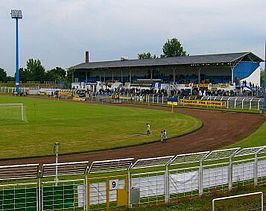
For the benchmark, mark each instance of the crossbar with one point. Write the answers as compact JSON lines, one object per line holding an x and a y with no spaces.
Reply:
{"x":238,"y":196}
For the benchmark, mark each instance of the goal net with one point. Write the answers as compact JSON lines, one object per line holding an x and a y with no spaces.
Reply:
{"x":249,"y":201}
{"x":12,"y":112}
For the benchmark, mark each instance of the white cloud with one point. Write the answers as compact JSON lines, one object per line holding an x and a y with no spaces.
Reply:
{"x":59,"y":31}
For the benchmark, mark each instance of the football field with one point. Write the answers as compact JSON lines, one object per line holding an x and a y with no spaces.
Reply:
{"x":82,"y":127}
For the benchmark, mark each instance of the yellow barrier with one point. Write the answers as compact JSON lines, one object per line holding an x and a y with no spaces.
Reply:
{"x":125,"y":98}
{"x":206,"y":103}
{"x":65,"y":94}
{"x":172,"y":103}
{"x":76,"y":99}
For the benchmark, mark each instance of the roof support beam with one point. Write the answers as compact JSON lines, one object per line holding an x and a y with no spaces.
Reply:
{"x":130,"y":75}
{"x":199,"y":79}
{"x":232,"y":74}
{"x":174,"y":75}
{"x":112,"y":75}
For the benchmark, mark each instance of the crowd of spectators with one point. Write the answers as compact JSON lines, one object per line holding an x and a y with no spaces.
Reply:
{"x":244,"y":89}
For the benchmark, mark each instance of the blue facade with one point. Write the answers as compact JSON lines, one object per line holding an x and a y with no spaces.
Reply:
{"x":244,"y":69}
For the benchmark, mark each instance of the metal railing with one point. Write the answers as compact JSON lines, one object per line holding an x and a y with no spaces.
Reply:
{"x":129,"y":182}
{"x":231,"y":102}
{"x":241,"y":103}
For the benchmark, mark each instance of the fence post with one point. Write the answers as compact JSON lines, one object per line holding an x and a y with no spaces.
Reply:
{"x":162,"y":99}
{"x":166,"y":184}
{"x":262,"y":202}
{"x":256,"y":170}
{"x":86,"y":189}
{"x":250,"y":104}
{"x":129,"y":188}
{"x":39,"y":202}
{"x":230,"y":174}
{"x":243,"y":104}
{"x":258,"y":104}
{"x":235,"y":103}
{"x":107,"y":193}
{"x":227,"y":103}
{"x":201,"y":178}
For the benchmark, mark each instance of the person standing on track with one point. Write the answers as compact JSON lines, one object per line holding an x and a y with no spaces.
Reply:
{"x":148,"y":130}
{"x":163,"y":136}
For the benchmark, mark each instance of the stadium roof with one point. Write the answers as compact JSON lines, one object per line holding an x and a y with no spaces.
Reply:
{"x":219,"y":59}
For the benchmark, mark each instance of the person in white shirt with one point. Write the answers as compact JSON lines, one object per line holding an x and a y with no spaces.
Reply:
{"x":163,"y":136}
{"x":148,"y":131}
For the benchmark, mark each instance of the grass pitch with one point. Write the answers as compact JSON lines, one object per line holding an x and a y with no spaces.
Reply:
{"x":255,"y":139}
{"x":82,"y":127}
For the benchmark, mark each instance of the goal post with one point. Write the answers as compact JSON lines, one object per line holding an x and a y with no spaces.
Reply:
{"x":12,"y":112}
{"x":248,"y":201}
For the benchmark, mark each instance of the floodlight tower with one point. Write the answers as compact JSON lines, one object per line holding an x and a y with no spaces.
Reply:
{"x":17,"y":14}
{"x":264,"y":105}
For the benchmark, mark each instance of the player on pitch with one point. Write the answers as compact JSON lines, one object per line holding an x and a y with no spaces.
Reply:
{"x":148,"y":130}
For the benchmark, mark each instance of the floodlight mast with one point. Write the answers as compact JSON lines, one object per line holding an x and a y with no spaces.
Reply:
{"x":17,"y":14}
{"x":264,"y":105}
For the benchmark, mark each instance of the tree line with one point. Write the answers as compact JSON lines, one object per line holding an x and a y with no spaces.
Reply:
{"x":35,"y":71}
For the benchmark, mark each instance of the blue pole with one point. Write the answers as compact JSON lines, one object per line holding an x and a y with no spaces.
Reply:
{"x":17,"y":59}
{"x":264,"y":105}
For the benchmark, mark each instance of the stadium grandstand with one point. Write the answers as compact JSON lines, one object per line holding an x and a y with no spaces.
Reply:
{"x":210,"y":68}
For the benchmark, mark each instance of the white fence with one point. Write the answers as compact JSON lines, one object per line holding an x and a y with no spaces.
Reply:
{"x":233,"y":102}
{"x":11,"y":90}
{"x":239,"y":103}
{"x":129,"y":182}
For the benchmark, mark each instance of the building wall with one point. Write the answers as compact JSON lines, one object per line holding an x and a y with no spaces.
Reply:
{"x":244,"y":70}
{"x":254,"y":78}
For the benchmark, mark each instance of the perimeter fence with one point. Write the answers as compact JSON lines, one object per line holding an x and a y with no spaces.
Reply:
{"x":125,"y":183}
{"x":227,"y":102}
{"x":241,"y":103}
{"x":250,"y":103}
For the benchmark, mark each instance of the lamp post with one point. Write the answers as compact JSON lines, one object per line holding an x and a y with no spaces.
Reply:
{"x":17,"y":14}
{"x":264,"y":105}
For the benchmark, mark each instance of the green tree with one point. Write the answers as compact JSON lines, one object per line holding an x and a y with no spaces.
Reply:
{"x":146,"y":55}
{"x":173,"y":48}
{"x":24,"y":75}
{"x":57,"y":74}
{"x":70,"y":75}
{"x":2,"y":75}
{"x":10,"y":78}
{"x":36,"y":70}
{"x":69,"y":78}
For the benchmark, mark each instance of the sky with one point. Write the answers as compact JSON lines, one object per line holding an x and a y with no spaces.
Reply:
{"x":58,"y":32}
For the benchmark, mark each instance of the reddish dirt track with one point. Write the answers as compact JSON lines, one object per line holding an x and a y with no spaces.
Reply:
{"x":219,"y":129}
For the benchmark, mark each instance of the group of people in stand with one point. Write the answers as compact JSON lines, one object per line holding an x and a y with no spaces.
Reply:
{"x":163,"y":133}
